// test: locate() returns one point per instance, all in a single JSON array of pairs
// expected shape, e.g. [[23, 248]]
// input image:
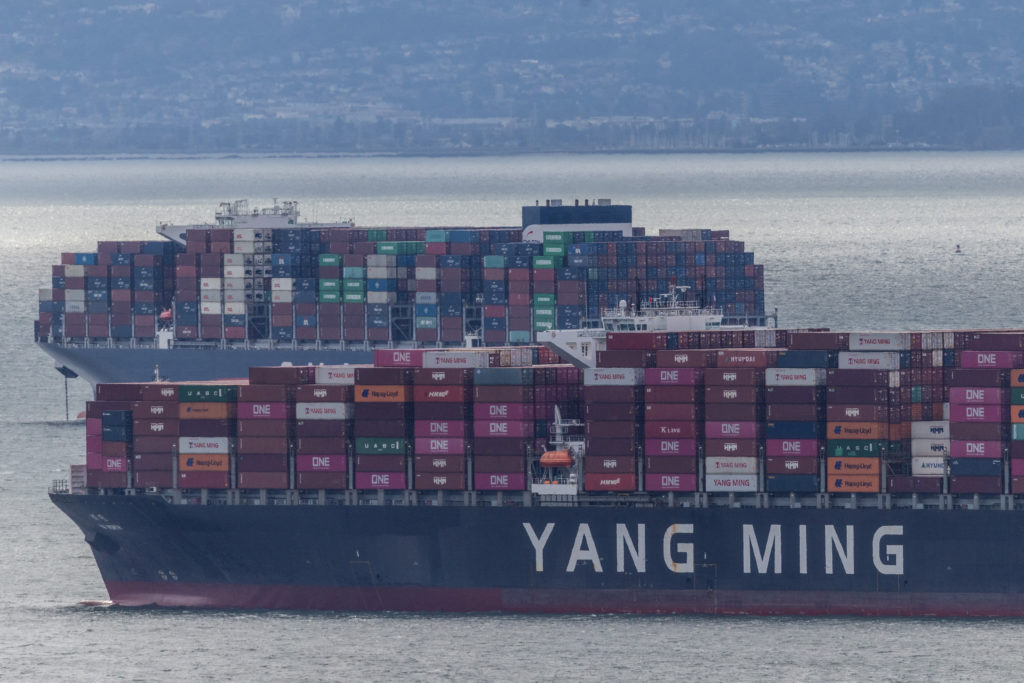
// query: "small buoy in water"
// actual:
[[957, 250]]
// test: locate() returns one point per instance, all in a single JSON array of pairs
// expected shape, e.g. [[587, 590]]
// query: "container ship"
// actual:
[[260, 288], [659, 470]]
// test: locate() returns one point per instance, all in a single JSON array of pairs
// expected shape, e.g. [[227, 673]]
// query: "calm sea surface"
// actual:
[[848, 241]]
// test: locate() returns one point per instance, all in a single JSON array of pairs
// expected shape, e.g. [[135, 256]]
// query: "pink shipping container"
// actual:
[[115, 464], [990, 359], [1017, 467], [977, 413], [975, 449], [380, 480], [731, 447], [152, 478], [499, 481], [94, 425], [106, 480], [672, 376], [732, 430], [502, 428], [94, 461], [728, 377], [977, 396], [439, 446], [439, 481], [672, 393], [321, 463], [609, 482], [504, 411], [670, 482], [439, 463], [264, 410], [398, 358], [448, 393], [791, 447], [592, 463], [958, 484], [439, 428], [671, 465], [670, 447]]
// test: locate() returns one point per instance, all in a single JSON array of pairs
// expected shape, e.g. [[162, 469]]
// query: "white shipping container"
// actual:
[[425, 273], [210, 283], [210, 308], [380, 260], [203, 444], [381, 297], [234, 284], [929, 447], [794, 377], [764, 339], [949, 340], [46, 295], [724, 464], [281, 296], [234, 271], [246, 234], [281, 284], [210, 295], [937, 358], [931, 341], [234, 308], [74, 271], [869, 360], [324, 411], [928, 466], [426, 297], [74, 307], [233, 260], [378, 273], [935, 429], [243, 247], [336, 374], [721, 483], [74, 295], [454, 359], [613, 377], [237, 295], [879, 341]]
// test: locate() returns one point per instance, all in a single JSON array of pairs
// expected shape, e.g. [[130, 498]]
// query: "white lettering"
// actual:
[[891, 551], [539, 543], [583, 549], [834, 546], [773, 547], [637, 551], [686, 549], [803, 548]]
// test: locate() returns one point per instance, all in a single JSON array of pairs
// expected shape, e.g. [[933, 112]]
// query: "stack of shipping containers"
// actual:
[[672, 426], [733, 428], [795, 410], [613, 422], [503, 427], [382, 430]]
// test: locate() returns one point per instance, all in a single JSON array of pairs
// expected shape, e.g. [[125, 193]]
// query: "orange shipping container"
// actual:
[[855, 465], [203, 462], [1017, 378], [858, 430], [853, 483], [383, 393], [1017, 414], [207, 411]]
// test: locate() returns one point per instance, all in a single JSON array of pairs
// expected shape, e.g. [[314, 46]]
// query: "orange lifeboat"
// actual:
[[556, 459]]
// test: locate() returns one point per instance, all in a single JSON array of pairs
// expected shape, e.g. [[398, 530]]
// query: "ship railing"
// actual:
[[59, 486]]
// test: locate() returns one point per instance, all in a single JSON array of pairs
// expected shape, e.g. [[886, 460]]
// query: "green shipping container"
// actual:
[[557, 238], [353, 285], [1017, 432], [546, 262], [554, 249], [494, 261], [353, 298], [852, 448], [329, 297], [520, 337], [544, 313], [329, 260], [380, 446], [209, 393], [426, 323], [542, 325], [328, 285], [542, 299], [353, 273], [376, 235], [434, 235], [1017, 396]]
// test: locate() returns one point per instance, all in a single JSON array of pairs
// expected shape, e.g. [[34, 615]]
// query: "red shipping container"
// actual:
[[672, 412], [790, 465], [670, 394], [380, 463], [733, 394], [733, 377], [439, 481], [610, 430], [673, 429], [321, 463], [277, 428], [978, 431], [610, 447], [439, 463], [506, 463], [114, 449], [106, 480], [203, 480], [612, 394], [733, 430], [451, 393], [748, 412], [262, 462], [266, 410], [959, 484], [380, 480], [154, 444], [153, 462], [684, 359], [504, 411], [439, 428], [795, 412], [262, 444], [262, 480], [154, 427], [321, 480], [908, 484], [594, 464], [253, 394], [499, 447], [624, 412], [609, 482], [670, 482], [731, 447], [153, 479], [319, 445], [502, 428]]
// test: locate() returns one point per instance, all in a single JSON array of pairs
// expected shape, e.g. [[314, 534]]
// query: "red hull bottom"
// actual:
[[420, 599]]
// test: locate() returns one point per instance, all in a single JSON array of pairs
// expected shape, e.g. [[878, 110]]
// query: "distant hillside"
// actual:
[[467, 76]]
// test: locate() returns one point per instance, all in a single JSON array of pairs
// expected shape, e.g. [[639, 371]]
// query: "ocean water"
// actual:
[[849, 241]]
